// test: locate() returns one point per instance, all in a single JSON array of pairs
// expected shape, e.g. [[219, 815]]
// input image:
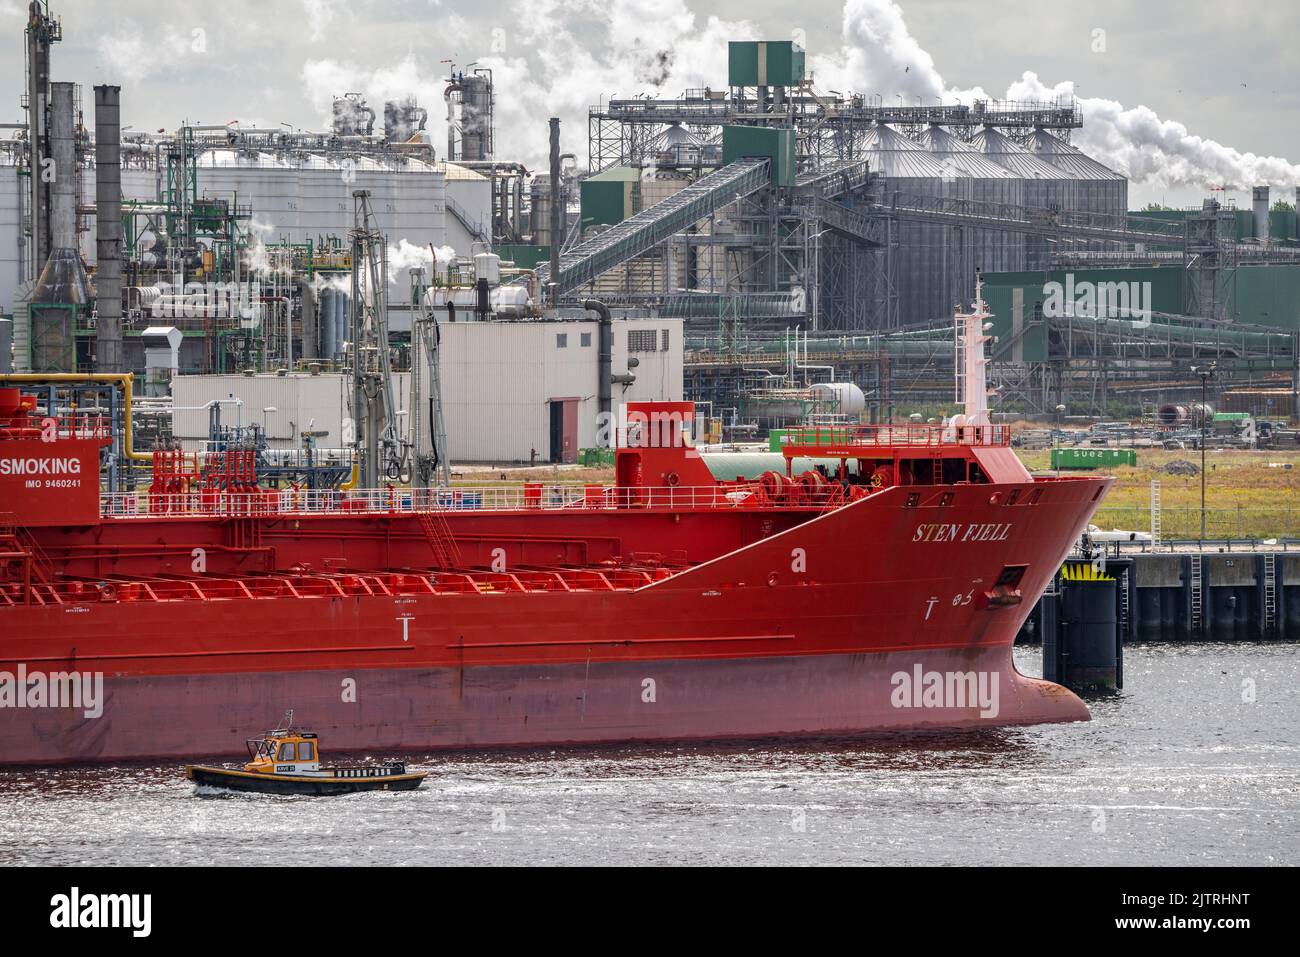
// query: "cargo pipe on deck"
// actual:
[[124, 380]]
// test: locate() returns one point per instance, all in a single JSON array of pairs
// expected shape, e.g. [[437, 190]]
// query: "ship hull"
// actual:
[[180, 716], [890, 614]]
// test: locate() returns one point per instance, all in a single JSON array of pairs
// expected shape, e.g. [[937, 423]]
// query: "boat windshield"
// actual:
[[261, 748]]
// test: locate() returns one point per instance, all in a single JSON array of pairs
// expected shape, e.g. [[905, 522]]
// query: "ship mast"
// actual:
[[972, 379]]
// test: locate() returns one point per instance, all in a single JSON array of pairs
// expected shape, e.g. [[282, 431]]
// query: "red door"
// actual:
[[564, 429]]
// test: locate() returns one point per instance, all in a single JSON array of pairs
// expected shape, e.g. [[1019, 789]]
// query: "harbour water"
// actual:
[[1195, 763]]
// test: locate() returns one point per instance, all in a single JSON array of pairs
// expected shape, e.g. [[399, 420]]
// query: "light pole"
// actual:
[[1206, 373]]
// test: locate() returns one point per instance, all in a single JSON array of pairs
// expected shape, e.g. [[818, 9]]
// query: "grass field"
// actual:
[[1247, 494]]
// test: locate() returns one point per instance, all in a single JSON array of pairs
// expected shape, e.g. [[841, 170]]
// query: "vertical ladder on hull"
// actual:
[[937, 464], [1270, 593], [1196, 621], [446, 553]]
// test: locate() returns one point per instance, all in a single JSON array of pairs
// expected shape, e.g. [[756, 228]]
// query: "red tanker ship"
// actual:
[[880, 591]]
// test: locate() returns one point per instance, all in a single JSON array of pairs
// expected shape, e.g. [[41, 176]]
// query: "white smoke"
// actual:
[[407, 255], [560, 57], [880, 56], [258, 257], [564, 55], [323, 80], [331, 280], [1147, 149], [557, 59]]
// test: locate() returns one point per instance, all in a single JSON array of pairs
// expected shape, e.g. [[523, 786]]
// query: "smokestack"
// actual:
[[61, 291], [42, 30], [1259, 203], [63, 150], [108, 228], [556, 209]]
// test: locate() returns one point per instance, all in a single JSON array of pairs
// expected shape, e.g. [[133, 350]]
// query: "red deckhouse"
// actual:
[[669, 605]]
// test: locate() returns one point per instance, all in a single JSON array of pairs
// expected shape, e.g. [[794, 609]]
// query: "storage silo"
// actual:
[[469, 205], [300, 195], [1100, 189], [990, 250], [1044, 186], [11, 218], [927, 263]]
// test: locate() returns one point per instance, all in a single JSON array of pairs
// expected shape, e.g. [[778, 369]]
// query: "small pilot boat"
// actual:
[[287, 761]]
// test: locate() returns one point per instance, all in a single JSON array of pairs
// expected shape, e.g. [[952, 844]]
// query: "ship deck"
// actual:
[[69, 591]]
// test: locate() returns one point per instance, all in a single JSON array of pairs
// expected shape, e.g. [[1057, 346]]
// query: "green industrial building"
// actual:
[[1266, 295], [764, 63]]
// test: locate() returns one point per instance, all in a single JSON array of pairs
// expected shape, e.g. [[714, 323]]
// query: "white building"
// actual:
[[509, 389]]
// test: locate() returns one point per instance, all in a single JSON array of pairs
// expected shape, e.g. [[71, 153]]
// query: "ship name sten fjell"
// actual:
[[974, 532]]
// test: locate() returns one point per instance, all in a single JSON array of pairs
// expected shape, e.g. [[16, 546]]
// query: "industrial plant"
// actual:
[[776, 253], [819, 445]]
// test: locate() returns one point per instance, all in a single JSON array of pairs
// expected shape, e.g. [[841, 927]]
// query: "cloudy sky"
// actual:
[[1183, 96]]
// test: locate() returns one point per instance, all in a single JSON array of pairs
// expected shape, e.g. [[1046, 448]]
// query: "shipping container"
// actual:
[[1092, 458], [825, 435]]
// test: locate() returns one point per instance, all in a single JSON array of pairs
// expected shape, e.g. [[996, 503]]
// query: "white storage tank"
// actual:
[[488, 266], [846, 398]]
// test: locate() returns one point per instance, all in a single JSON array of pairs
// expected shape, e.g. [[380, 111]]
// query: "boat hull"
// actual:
[[231, 780]]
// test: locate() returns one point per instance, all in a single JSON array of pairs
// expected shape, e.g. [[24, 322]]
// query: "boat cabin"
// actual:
[[284, 752]]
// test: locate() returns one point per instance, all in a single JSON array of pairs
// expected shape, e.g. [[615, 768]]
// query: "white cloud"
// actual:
[[134, 54], [321, 14]]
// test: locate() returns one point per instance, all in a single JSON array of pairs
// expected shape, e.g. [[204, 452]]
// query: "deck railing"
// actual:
[[858, 436], [81, 426], [531, 497]]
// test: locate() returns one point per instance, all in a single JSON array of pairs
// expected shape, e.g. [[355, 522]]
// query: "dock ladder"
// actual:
[[1196, 621], [1155, 512], [1270, 593], [1124, 628]]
